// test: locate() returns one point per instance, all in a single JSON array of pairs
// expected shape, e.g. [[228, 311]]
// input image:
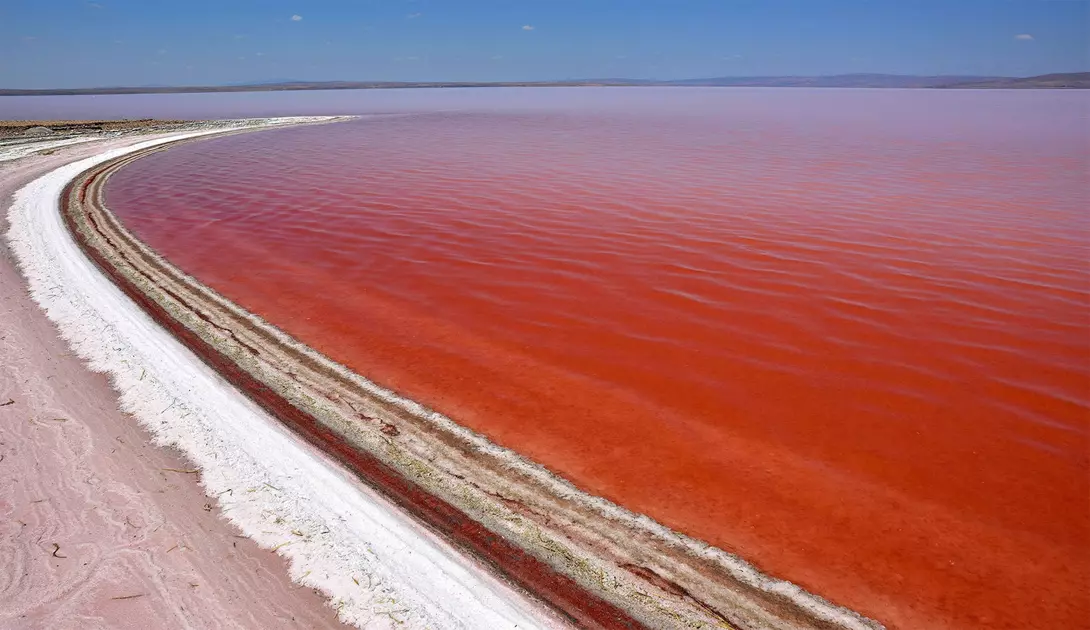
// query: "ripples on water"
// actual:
[[844, 335]]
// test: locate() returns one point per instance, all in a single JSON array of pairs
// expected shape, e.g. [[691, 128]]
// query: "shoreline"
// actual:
[[1060, 80], [137, 537], [502, 504], [378, 567]]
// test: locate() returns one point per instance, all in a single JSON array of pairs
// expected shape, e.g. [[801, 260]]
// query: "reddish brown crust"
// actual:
[[559, 591]]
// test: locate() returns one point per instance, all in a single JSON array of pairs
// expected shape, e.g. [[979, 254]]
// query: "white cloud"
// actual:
[[296, 18], [413, 16], [1024, 37], [527, 27]]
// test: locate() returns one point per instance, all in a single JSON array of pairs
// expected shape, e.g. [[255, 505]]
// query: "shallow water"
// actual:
[[845, 334]]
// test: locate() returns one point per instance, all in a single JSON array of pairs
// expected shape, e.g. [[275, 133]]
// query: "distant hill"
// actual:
[[1068, 80], [1048, 81], [838, 81]]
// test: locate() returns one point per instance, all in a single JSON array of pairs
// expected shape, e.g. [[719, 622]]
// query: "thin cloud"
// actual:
[[527, 27], [1024, 37], [296, 18], [413, 16], [94, 5]]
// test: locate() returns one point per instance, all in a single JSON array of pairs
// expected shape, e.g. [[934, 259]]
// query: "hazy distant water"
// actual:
[[844, 333]]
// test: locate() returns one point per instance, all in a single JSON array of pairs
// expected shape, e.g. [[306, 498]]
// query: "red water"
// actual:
[[854, 350]]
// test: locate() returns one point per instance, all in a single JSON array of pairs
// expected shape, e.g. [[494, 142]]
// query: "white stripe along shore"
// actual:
[[594, 563]]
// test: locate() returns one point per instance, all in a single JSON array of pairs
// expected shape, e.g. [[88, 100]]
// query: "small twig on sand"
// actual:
[[57, 548], [391, 613], [188, 471], [129, 596], [11, 401]]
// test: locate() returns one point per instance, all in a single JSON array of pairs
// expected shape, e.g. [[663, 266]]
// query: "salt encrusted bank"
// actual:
[[595, 563]]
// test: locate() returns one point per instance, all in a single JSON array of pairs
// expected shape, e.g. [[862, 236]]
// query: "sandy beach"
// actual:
[[101, 528]]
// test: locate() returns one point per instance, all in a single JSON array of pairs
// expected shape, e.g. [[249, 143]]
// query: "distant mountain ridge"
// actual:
[[1071, 80], [839, 80]]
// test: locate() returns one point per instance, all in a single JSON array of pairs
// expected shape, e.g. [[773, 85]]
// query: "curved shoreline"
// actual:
[[80, 472], [377, 567], [599, 564]]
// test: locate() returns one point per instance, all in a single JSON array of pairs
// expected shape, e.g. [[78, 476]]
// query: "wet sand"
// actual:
[[99, 528]]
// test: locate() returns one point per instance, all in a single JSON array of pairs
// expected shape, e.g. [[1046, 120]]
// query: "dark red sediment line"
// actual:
[[560, 592], [595, 564]]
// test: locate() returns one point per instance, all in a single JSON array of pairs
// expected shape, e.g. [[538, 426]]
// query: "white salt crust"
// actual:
[[379, 568], [333, 554]]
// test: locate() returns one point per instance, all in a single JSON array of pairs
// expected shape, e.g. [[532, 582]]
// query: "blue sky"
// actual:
[[77, 43]]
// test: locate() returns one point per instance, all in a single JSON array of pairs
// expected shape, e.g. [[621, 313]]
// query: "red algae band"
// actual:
[[853, 348]]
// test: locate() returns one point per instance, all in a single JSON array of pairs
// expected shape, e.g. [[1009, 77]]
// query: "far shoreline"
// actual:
[[1054, 81]]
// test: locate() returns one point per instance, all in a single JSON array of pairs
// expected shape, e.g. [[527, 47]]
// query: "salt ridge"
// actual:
[[379, 568]]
